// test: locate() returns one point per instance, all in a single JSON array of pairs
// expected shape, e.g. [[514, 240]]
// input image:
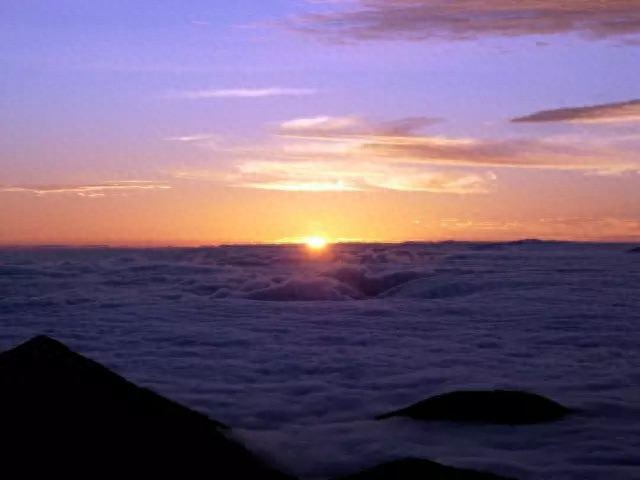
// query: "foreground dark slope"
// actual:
[[65, 415], [419, 469]]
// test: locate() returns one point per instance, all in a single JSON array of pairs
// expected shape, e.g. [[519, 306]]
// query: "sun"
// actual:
[[316, 243]]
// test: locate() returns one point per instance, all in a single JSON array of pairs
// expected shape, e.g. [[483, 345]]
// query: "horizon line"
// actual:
[[156, 245]]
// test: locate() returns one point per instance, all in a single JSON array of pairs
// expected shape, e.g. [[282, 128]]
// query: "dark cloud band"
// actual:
[[426, 19], [605, 113]]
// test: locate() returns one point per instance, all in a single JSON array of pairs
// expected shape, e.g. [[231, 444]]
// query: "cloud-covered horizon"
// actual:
[[364, 20], [86, 190], [618, 112]]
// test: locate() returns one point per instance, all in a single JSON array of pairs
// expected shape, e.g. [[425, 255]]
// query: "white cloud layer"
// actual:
[[297, 354]]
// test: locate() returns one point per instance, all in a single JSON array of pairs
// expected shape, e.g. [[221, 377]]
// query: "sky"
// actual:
[[192, 122]]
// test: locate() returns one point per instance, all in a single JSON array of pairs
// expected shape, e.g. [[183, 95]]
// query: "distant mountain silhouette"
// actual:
[[509, 407], [63, 415]]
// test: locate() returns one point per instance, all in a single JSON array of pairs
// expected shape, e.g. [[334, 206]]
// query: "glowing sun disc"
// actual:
[[316, 243]]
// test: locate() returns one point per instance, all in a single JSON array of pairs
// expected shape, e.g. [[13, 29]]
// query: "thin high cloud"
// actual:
[[399, 141], [620, 112], [326, 126], [343, 154], [245, 93], [339, 176], [194, 138], [362, 20], [86, 190], [324, 154]]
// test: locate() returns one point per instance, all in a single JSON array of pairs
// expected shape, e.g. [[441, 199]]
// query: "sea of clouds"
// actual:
[[297, 351]]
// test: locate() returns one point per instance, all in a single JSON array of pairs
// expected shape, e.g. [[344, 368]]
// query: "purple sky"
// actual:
[[182, 122]]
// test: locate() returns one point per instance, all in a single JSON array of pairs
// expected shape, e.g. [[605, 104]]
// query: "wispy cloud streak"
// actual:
[[358, 138], [338, 176], [245, 93], [86, 190], [620, 112], [351, 153], [363, 20]]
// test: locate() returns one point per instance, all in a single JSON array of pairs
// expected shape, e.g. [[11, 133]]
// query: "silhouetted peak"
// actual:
[[45, 356], [39, 352], [41, 344], [68, 411], [489, 406]]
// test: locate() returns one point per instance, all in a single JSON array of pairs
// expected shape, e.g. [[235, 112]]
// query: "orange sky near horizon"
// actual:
[[199, 122], [196, 216]]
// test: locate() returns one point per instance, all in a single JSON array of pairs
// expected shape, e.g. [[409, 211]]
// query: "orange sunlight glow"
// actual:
[[316, 243]]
